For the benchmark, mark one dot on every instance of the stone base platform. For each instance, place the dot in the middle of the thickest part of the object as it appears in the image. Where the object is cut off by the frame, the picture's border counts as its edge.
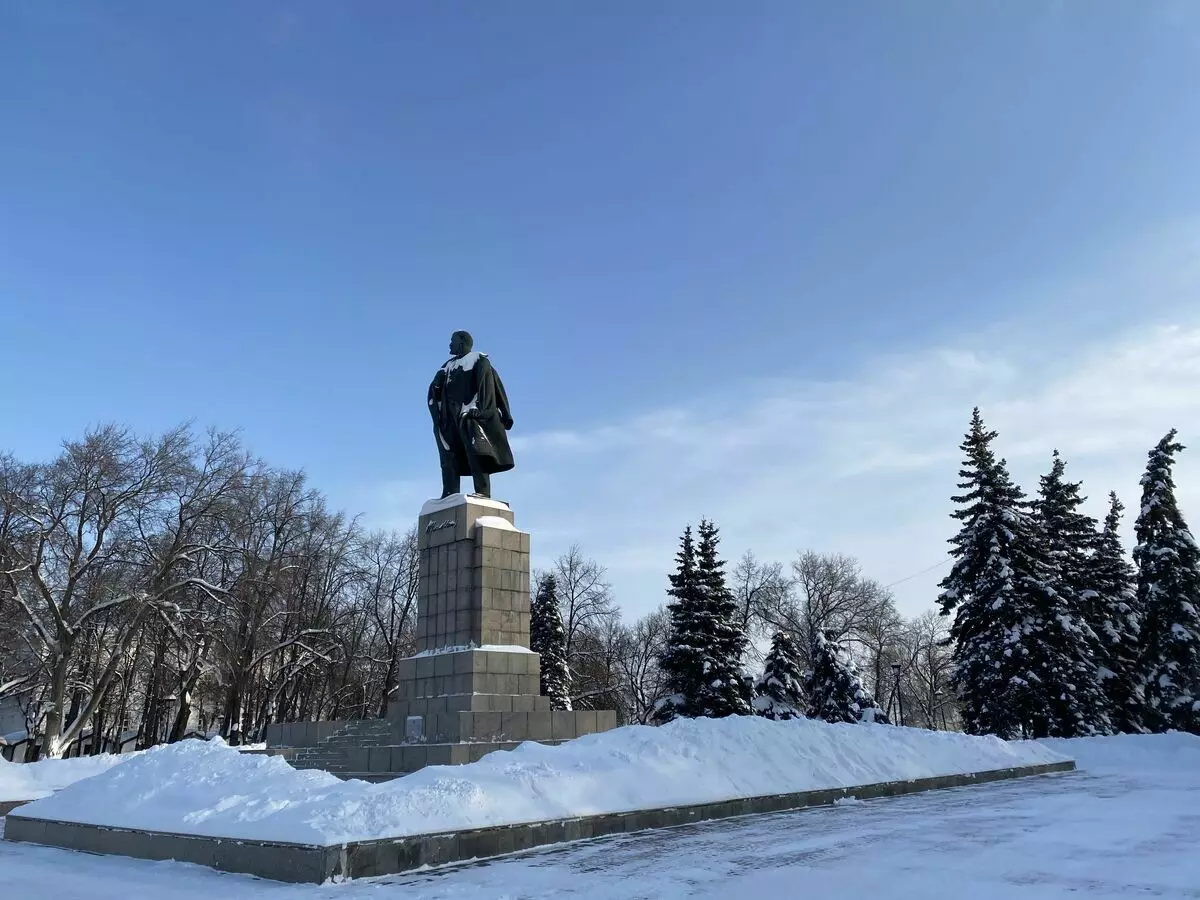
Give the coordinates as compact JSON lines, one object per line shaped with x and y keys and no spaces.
{"x":459,"y":695}
{"x":295,"y":862}
{"x":482,"y":695}
{"x":398,"y":760}
{"x":474,"y":681}
{"x":380,"y":747}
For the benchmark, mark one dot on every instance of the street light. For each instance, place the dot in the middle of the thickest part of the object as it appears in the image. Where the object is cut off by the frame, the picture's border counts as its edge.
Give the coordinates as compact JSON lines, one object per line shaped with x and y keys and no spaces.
{"x":899,"y":697}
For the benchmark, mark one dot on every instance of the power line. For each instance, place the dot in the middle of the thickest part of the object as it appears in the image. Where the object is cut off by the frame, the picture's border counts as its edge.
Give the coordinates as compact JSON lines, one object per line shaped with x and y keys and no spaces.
{"x":936,"y":565}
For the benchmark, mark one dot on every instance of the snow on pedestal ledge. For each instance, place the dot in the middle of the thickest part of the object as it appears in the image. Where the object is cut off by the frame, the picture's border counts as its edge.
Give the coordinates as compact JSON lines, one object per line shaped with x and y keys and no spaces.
{"x":463,"y":648}
{"x":433,"y":506}
{"x":208,"y":788}
{"x":496,"y":522}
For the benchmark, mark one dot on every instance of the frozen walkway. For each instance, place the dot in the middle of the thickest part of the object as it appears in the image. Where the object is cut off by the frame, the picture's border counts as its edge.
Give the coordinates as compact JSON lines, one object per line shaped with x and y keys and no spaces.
{"x":1127,"y":826}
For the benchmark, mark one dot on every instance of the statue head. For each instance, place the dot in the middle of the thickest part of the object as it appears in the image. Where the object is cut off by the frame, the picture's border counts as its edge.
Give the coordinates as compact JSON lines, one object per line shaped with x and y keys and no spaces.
{"x":461,"y":343}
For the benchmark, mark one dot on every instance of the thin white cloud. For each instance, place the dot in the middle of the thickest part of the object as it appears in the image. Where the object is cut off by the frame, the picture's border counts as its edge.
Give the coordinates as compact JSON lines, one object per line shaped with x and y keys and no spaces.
{"x":866,"y":465}
{"x":869,"y":470}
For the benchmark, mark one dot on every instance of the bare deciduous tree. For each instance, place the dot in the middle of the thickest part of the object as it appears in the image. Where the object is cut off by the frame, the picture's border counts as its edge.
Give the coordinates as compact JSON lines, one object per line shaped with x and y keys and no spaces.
{"x":926,"y":664}
{"x":585,"y":596}
{"x":758,"y":586}
{"x":393,"y":578}
{"x":85,"y":547}
{"x":18,"y":663}
{"x":590,"y":617}
{"x":879,"y":634}
{"x":828,"y":593}
{"x":642,"y":683}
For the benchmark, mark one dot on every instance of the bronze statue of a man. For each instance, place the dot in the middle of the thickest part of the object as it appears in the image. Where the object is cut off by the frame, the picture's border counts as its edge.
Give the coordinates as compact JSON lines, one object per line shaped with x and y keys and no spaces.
{"x":471,"y":418}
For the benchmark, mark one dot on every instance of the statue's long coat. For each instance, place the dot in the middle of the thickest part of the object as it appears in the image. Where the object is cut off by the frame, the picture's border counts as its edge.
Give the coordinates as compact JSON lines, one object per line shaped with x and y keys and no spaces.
{"x":471,"y":383}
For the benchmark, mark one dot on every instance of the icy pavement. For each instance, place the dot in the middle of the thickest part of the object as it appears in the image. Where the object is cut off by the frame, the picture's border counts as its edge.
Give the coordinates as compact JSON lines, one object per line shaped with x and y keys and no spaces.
{"x":1127,"y":826}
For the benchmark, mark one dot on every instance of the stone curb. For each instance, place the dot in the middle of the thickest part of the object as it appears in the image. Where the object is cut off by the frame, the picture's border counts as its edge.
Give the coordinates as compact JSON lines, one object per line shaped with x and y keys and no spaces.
{"x":293,"y":862}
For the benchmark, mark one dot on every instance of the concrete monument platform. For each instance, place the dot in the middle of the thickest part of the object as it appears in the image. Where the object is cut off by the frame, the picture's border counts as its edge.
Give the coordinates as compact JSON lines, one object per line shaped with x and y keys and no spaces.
{"x":474,"y":684}
{"x":315,"y":863}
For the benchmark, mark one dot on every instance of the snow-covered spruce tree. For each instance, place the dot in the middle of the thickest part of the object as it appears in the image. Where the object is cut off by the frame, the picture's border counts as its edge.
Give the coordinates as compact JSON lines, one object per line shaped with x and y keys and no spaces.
{"x":725,"y":692}
{"x":1168,"y":593}
{"x":548,"y":639}
{"x":835,"y":690}
{"x":1111,"y":578}
{"x":779,"y":692}
{"x":1009,"y":675}
{"x":1068,"y":539}
{"x":682,"y":661}
{"x":705,"y":644}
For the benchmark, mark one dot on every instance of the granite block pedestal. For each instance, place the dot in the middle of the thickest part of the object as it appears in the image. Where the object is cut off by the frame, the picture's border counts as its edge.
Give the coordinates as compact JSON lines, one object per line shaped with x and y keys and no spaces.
{"x":474,"y":684}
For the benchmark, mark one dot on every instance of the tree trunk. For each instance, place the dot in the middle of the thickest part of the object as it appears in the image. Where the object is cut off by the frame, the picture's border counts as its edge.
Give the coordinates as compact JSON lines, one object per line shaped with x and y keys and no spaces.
{"x":389,"y":682}
{"x":52,"y":733}
{"x":231,"y":722}
{"x":184,"y":713}
{"x":98,"y":725}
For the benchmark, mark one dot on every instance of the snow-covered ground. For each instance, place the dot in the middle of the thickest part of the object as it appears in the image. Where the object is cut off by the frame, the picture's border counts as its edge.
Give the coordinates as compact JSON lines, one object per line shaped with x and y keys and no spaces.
{"x":1125,"y":826}
{"x":32,"y":781}
{"x":29,"y":781}
{"x":207,"y":788}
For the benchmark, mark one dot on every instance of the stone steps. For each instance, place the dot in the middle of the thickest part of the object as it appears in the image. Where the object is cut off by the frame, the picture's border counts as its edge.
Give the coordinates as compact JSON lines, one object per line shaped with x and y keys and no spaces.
{"x":333,"y":753}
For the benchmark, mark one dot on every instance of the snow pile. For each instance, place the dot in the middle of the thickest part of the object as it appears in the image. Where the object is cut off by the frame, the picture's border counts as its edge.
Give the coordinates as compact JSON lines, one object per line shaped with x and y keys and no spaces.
{"x":31,"y":781}
{"x":1166,"y":755}
{"x":209,"y":789}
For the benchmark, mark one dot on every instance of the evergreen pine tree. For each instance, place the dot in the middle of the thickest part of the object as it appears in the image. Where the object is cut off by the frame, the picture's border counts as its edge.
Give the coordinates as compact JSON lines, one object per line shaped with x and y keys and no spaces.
{"x":1010,"y":674}
{"x":1112,"y":578}
{"x":548,"y":639}
{"x":779,"y":692}
{"x":701,"y":662}
{"x":682,"y":661}
{"x":1168,"y":593}
{"x":1067,"y":539}
{"x":725,"y":691}
{"x":835,"y":690}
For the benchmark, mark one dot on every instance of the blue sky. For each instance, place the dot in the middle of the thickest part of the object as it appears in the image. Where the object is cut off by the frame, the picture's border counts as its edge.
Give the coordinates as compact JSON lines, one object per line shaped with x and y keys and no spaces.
{"x":747,"y":260}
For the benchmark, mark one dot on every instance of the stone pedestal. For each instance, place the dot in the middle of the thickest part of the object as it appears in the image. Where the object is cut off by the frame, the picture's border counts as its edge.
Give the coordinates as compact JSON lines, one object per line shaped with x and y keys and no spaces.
{"x":474,"y":680}
{"x":474,"y":575}
{"x":474,"y":685}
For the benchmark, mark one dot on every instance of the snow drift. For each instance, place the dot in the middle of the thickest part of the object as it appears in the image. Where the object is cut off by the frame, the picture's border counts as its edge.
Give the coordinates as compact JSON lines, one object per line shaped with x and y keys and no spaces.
{"x":210,"y":789}
{"x":1175,"y":754}
{"x":31,"y":781}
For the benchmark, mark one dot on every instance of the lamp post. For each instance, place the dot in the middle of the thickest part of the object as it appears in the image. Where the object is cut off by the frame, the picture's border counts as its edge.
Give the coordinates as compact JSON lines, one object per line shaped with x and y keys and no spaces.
{"x":896,"y":689}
